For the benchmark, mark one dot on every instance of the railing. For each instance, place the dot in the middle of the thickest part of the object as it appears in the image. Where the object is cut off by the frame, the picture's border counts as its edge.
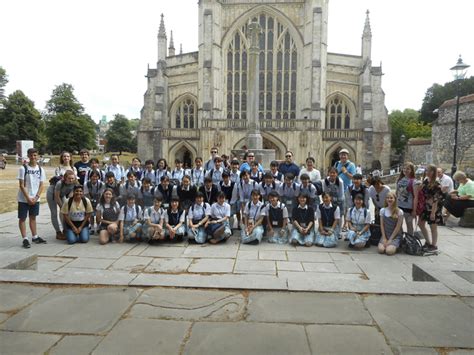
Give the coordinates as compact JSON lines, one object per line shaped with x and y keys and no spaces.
{"x":342,"y":134}
{"x":265,"y":125}
{"x":181,"y":133}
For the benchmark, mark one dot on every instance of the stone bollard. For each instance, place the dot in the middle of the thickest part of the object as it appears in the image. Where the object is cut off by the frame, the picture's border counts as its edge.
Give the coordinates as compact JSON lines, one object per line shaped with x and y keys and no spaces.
{"x":467,"y":220}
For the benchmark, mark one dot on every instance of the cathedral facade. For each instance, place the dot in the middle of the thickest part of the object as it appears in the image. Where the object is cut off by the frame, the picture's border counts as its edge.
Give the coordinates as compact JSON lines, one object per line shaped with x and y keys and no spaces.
{"x":310,"y":101}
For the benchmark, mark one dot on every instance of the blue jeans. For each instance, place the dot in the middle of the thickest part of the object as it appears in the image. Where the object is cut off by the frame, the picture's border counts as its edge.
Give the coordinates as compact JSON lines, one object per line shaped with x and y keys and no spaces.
{"x":82,"y":237}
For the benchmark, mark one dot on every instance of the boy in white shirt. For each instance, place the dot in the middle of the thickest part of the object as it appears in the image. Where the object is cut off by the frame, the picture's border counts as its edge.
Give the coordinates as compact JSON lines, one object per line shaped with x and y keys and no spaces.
{"x":31,"y":179}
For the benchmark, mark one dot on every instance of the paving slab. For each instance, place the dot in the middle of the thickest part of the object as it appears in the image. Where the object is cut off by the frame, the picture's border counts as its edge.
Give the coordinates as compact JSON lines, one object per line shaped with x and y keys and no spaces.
{"x":85,"y":311}
{"x":212,"y":266}
{"x":255,"y":267}
{"x":272,"y":255}
{"x":469,"y":301}
{"x":444,"y":320}
{"x":131,"y":263}
{"x":17,"y":259}
{"x":144,"y":336}
{"x":75,"y":345}
{"x":247,"y":255}
{"x":347,"y":267}
{"x":14,"y":297}
{"x":192,"y":305}
{"x":4,"y":317}
{"x":289,"y":266}
{"x":163,"y":252}
{"x":228,"y":281}
{"x":320,"y":267}
{"x":15,"y":342}
{"x":168,"y":265}
{"x":211,"y":251}
{"x":340,"y":256}
{"x":51,"y":263}
{"x":412,"y":350}
{"x":247,"y":338}
{"x":93,"y":250}
{"x":346,"y":339}
{"x":90,"y":263}
{"x":303,"y":307}
{"x":312,"y":257}
{"x":138,"y":249}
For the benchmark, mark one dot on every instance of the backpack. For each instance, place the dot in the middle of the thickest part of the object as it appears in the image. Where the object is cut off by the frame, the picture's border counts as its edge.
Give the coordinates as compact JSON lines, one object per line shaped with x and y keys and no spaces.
{"x":352,"y":209}
{"x":137,"y":210}
{"x":412,"y":245}
{"x":69,"y":202}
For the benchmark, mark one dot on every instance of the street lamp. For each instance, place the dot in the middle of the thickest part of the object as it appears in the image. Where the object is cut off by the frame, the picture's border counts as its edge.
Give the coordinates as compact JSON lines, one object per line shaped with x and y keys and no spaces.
{"x":459,"y":71}
{"x":402,"y":156}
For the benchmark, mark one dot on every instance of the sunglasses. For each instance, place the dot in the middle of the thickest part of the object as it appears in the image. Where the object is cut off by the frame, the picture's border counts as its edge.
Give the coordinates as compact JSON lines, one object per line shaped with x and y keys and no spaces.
{"x":213,"y":152}
{"x":251,"y":156}
{"x":288,"y":156}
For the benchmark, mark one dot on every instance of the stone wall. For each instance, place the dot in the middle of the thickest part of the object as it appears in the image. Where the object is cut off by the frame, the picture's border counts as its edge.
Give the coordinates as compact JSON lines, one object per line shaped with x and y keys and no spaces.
{"x":418,"y":151}
{"x":443,"y":134}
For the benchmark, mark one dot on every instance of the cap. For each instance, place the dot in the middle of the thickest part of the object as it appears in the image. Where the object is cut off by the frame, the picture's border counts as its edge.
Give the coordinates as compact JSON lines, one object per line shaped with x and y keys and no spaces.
{"x":343,"y":151}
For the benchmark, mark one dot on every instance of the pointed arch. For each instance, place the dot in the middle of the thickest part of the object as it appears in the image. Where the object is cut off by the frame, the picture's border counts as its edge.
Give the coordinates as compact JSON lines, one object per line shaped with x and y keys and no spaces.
{"x":341,"y":111}
{"x":178,"y":150}
{"x":183,"y":112}
{"x":269,"y":142}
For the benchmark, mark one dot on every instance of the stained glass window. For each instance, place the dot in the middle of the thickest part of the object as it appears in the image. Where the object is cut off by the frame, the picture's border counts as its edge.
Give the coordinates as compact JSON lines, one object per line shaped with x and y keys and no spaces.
{"x":338,"y":114}
{"x":185,"y":115}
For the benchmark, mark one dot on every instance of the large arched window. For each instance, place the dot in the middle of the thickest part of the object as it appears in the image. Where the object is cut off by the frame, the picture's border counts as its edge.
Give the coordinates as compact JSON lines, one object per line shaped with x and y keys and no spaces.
{"x":185,"y":114}
{"x":338,"y":115}
{"x":277,"y":71}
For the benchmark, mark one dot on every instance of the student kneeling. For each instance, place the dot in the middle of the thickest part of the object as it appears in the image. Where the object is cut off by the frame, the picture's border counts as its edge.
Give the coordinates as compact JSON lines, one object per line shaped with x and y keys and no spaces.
{"x":358,"y":218}
{"x":252,"y":230}
{"x":198,"y":215}
{"x":77,"y":211}
{"x":303,"y":222}
{"x":218,"y":226}
{"x":174,"y":221}
{"x":129,"y":219}
{"x":328,"y":216}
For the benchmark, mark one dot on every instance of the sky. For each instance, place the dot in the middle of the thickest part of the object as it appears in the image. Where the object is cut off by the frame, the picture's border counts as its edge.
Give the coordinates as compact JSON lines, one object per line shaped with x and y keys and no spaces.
{"x":103,"y":47}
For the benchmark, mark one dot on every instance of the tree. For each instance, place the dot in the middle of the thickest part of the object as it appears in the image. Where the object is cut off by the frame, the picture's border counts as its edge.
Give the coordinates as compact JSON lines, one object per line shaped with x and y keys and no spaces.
{"x":409,"y":124}
{"x":119,"y":136}
{"x":3,"y":83}
{"x":20,"y":121}
{"x":66,"y":131}
{"x":63,"y":100}
{"x":437,"y":94}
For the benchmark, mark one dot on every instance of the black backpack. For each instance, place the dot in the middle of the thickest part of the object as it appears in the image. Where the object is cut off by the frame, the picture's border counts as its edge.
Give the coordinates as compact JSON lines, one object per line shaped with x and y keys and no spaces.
{"x":412,"y":245}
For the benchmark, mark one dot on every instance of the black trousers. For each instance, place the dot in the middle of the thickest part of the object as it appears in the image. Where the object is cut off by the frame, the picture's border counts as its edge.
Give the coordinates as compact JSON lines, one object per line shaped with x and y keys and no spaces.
{"x":457,"y":207}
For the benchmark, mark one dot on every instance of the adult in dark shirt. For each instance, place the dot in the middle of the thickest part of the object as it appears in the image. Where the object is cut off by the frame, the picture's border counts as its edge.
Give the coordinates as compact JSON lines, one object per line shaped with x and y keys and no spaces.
{"x":288,"y":166}
{"x":83,"y":166}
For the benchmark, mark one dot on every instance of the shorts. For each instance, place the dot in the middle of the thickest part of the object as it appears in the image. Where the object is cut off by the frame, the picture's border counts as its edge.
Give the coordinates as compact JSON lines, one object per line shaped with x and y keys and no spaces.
{"x":25,"y":209}
{"x":406,"y":210}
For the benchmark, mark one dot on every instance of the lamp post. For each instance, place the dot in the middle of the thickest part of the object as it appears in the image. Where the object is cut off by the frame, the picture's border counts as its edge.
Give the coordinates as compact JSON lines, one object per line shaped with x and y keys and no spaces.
{"x":459,"y":71}
{"x":402,"y":157}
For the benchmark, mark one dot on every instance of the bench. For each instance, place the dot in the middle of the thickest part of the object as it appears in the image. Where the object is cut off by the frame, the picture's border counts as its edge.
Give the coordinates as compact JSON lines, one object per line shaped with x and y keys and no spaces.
{"x":467,"y":220}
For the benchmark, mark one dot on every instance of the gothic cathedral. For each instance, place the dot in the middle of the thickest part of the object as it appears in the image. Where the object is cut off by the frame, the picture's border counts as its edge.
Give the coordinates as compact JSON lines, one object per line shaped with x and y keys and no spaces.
{"x":310,"y":101}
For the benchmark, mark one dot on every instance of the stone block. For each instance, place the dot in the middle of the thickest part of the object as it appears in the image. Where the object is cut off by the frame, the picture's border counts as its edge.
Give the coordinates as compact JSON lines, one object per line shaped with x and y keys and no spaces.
{"x":75,"y":345}
{"x":212,"y":266}
{"x":302,"y":307}
{"x":254,"y":267}
{"x":74,"y":310}
{"x":467,"y":220}
{"x":314,"y":257}
{"x":206,"y":106}
{"x":192,"y":305}
{"x":90,"y":263}
{"x":144,"y":336}
{"x":289,"y":266}
{"x":207,"y":64}
{"x":131,"y":263}
{"x":247,"y":338}
{"x":247,"y":255}
{"x":49,"y":263}
{"x":168,"y":252}
{"x":444,"y":320}
{"x":346,"y":339}
{"x":26,"y":343}
{"x":316,"y":64}
{"x":211,"y":251}
{"x":411,"y":350}
{"x":272,"y":255}
{"x":169,"y":265}
{"x":14,"y":297}
{"x":320,"y":267}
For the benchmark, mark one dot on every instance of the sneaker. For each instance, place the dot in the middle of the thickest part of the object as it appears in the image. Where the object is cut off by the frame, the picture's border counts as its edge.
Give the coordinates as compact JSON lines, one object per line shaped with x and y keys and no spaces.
{"x":26,"y":243}
{"x":60,"y":236}
{"x":431,"y":248}
{"x":39,"y":240}
{"x":426,"y":246}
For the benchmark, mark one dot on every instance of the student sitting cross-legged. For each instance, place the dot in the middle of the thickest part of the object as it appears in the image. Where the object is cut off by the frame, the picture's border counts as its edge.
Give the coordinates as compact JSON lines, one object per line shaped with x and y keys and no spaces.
{"x":108,"y":211}
{"x":303,"y":223}
{"x":129,"y":220}
{"x":358,"y":218}
{"x":252,"y":229}
{"x":77,"y":211}
{"x":174,"y":221}
{"x":198,"y":214}
{"x":218,"y":226}
{"x":153,"y":221}
{"x":328,"y":217}
{"x":276,"y":216}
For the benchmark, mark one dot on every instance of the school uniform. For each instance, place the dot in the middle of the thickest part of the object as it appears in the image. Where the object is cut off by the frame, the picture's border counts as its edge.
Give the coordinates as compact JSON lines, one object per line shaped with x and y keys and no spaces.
{"x":288,"y":196}
{"x":352,"y":192}
{"x":244,"y":190}
{"x":216,"y":212}
{"x":196,"y":213}
{"x":150,"y":175}
{"x":129,"y":214}
{"x":266,"y":189}
{"x":304,"y":216}
{"x":253,"y":213}
{"x":311,"y":191}
{"x":177,"y":176}
{"x":89,"y":173}
{"x":278,"y":177}
{"x":118,"y":171}
{"x":109,"y":213}
{"x":390,"y":224}
{"x":336,"y":190}
{"x":173,"y":218}
{"x":137,"y":171}
{"x":197,"y":176}
{"x":130,"y":189}
{"x":275,"y":216}
{"x":94,"y":191}
{"x":159,"y":173}
{"x":256,"y":176}
{"x":234,"y":176}
{"x":146,"y":197}
{"x":210,"y":196}
{"x":186,"y":195}
{"x":154,"y":216}
{"x":326,"y":215}
{"x":165,"y":194}
{"x":359,"y":218}
{"x":215,"y":175}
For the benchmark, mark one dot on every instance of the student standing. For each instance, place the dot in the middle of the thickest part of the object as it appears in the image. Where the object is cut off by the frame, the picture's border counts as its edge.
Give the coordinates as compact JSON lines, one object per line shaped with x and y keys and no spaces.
{"x":82,"y":166}
{"x":407,"y":198}
{"x":31,"y":178}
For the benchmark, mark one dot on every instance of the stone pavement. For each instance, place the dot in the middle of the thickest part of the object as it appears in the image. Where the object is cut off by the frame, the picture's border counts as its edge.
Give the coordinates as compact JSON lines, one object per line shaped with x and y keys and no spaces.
{"x":232,"y":298}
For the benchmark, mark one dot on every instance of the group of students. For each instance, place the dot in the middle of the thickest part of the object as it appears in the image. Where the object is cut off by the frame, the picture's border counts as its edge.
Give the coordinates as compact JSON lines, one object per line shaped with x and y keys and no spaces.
{"x":204,"y":203}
